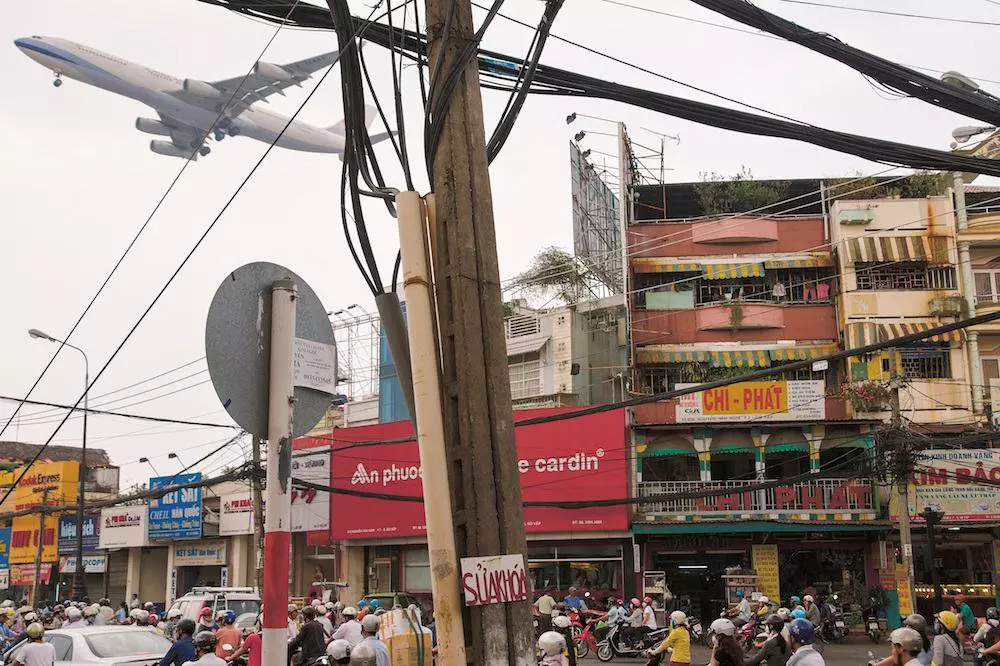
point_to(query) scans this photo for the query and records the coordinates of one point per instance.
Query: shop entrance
(695, 579)
(190, 577)
(823, 572)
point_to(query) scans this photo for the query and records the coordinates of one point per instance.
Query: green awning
(860, 442)
(652, 354)
(728, 271)
(662, 451)
(802, 352)
(735, 448)
(754, 358)
(800, 447)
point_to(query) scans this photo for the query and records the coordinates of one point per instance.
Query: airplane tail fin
(371, 113)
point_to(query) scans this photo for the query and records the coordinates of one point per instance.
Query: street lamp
(966, 132)
(146, 460)
(176, 457)
(933, 517)
(78, 590)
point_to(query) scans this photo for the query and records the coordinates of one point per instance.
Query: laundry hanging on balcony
(730, 271)
(869, 249)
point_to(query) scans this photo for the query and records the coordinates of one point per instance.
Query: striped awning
(756, 358)
(860, 334)
(788, 447)
(654, 355)
(663, 265)
(868, 249)
(897, 329)
(814, 261)
(801, 352)
(728, 271)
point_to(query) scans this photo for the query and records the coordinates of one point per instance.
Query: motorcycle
(834, 628)
(614, 644)
(587, 640)
(747, 633)
(874, 628)
(698, 635)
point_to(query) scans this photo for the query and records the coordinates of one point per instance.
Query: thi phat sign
(494, 579)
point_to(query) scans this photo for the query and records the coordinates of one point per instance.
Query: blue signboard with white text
(4, 547)
(176, 515)
(67, 533)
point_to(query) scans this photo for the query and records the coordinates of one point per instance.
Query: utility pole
(39, 547)
(478, 421)
(933, 518)
(258, 516)
(902, 489)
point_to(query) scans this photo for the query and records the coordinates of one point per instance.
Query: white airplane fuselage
(163, 93)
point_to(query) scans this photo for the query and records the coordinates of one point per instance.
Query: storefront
(95, 562)
(384, 541)
(197, 563)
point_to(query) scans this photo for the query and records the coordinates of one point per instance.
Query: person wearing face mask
(775, 651)
(725, 650)
(989, 636)
(946, 650)
(919, 625)
(677, 643)
(907, 644)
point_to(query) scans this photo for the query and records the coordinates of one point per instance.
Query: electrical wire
(889, 13)
(124, 415)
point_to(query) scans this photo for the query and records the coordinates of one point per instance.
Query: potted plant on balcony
(867, 395)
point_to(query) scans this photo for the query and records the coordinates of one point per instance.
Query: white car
(110, 645)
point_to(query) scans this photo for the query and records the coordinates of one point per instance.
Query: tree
(718, 195)
(917, 186)
(554, 274)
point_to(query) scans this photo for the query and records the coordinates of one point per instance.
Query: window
(987, 285)
(417, 570)
(125, 643)
(63, 646)
(926, 362)
(654, 380)
(525, 375)
(903, 275)
(991, 370)
(670, 468)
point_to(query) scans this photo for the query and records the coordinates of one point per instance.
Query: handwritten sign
(495, 579)
(765, 563)
(315, 366)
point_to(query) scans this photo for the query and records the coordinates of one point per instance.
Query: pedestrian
(801, 632)
(183, 650)
(906, 646)
(677, 643)
(35, 652)
(310, 639)
(545, 605)
(946, 648)
(369, 633)
(204, 645)
(725, 650)
(350, 629)
(228, 638)
(776, 649)
(134, 603)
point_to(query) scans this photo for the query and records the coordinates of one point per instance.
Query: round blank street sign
(238, 340)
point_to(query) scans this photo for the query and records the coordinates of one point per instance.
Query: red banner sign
(24, 574)
(578, 459)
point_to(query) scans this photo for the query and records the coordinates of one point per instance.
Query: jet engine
(169, 149)
(201, 89)
(150, 126)
(269, 71)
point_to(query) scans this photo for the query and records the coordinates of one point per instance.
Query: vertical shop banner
(4, 547)
(959, 482)
(67, 533)
(176, 515)
(581, 458)
(236, 514)
(765, 563)
(310, 507)
(24, 539)
(903, 591)
(123, 527)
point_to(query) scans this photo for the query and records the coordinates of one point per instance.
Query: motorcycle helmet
(58, 608)
(154, 619)
(90, 611)
(292, 608)
(205, 641)
(551, 643)
(798, 614)
(723, 627)
(775, 622)
(173, 613)
(764, 600)
(948, 620)
(148, 605)
(205, 612)
(374, 603)
(795, 600)
(993, 616)
(370, 624)
(740, 594)
(363, 655)
(74, 614)
(808, 598)
(362, 603)
(647, 600)
(802, 631)
(350, 612)
(35, 630)
(635, 601)
(30, 617)
(561, 622)
(678, 618)
(143, 616)
(917, 622)
(907, 638)
(784, 614)
(339, 651)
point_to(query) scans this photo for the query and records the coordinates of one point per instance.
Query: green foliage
(698, 373)
(554, 273)
(718, 195)
(735, 315)
(919, 185)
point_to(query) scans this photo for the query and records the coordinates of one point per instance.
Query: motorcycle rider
(742, 611)
(615, 611)
(988, 635)
(813, 613)
(801, 632)
(310, 639)
(350, 629)
(946, 648)
(36, 652)
(907, 645)
(229, 638)
(204, 645)
(648, 615)
(573, 600)
(205, 620)
(369, 632)
(339, 651)
(776, 650)
(75, 618)
(677, 642)
(633, 624)
(183, 650)
(173, 617)
(551, 644)
(919, 625)
(562, 625)
(726, 651)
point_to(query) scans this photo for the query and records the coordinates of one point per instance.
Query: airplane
(190, 110)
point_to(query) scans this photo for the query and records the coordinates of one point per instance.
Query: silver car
(109, 645)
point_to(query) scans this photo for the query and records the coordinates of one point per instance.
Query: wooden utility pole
(902, 490)
(258, 516)
(479, 429)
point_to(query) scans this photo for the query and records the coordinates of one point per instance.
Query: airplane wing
(268, 79)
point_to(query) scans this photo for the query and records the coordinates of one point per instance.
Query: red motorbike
(587, 639)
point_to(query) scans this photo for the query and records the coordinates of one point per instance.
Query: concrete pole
(902, 491)
(258, 517)
(430, 429)
(277, 520)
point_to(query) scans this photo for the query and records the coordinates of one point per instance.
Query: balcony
(664, 412)
(739, 316)
(758, 322)
(839, 496)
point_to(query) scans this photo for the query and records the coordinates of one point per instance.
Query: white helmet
(370, 624)
(143, 615)
(6, 603)
(551, 643)
(30, 616)
(764, 600)
(135, 613)
(73, 613)
(350, 611)
(148, 605)
(363, 655)
(723, 626)
(173, 612)
(339, 648)
(808, 598)
(561, 622)
(784, 614)
(677, 618)
(91, 610)
(220, 614)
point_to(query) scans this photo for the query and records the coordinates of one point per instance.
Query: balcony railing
(810, 496)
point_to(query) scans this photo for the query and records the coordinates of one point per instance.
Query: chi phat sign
(494, 579)
(762, 401)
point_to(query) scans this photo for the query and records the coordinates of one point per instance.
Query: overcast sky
(78, 179)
